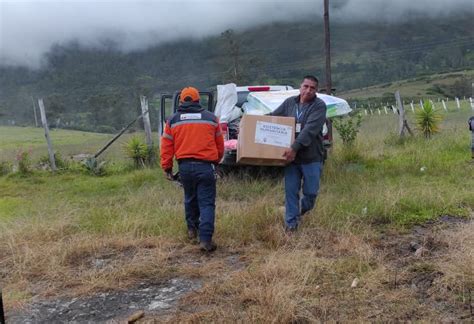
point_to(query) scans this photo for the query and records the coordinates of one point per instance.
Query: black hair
(312, 78)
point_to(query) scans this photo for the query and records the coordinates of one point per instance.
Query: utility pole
(327, 47)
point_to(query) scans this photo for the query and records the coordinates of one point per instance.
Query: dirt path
(154, 298)
(410, 260)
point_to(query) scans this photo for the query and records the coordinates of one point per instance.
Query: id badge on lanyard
(298, 127)
(298, 124)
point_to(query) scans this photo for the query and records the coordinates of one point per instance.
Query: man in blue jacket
(305, 156)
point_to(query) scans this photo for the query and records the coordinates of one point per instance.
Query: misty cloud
(28, 29)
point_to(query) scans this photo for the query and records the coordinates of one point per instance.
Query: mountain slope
(94, 88)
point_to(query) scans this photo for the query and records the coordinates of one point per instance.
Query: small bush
(348, 130)
(94, 167)
(23, 161)
(435, 89)
(61, 164)
(5, 168)
(428, 120)
(137, 150)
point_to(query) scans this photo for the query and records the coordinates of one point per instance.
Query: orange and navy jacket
(191, 133)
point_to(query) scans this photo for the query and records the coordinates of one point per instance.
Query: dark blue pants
(309, 174)
(199, 185)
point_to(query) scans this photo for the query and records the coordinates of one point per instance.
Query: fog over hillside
(28, 28)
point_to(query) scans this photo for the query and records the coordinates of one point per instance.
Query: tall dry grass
(76, 234)
(457, 282)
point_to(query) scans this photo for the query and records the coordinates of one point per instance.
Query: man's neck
(305, 102)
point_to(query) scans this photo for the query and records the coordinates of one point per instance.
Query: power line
(306, 42)
(387, 55)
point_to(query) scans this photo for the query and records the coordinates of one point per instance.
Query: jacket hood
(190, 107)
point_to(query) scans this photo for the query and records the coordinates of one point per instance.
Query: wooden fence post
(402, 122)
(46, 134)
(146, 124)
(34, 111)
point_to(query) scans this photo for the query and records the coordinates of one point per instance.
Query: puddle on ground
(152, 298)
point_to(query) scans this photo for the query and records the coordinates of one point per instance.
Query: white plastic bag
(226, 100)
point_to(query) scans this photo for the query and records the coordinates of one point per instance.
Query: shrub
(137, 150)
(23, 161)
(5, 168)
(61, 164)
(428, 120)
(349, 128)
(435, 89)
(94, 167)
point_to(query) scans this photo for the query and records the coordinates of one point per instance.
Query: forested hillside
(98, 88)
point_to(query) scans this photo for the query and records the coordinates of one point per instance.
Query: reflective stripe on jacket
(191, 133)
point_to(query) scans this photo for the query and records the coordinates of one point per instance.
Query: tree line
(98, 89)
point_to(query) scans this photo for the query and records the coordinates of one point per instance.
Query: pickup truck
(230, 128)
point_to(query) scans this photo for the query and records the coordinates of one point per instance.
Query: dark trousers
(199, 185)
(309, 174)
(472, 144)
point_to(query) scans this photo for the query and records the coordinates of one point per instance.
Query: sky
(28, 28)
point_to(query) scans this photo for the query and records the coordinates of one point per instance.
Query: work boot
(291, 231)
(192, 235)
(207, 246)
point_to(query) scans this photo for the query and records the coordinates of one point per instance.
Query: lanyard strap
(298, 113)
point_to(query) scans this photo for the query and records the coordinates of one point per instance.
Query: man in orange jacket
(194, 137)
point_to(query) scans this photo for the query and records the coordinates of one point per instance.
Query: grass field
(418, 87)
(53, 227)
(66, 142)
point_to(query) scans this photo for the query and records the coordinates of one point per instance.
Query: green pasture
(382, 180)
(417, 87)
(66, 142)
(381, 184)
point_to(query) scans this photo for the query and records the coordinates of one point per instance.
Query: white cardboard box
(263, 139)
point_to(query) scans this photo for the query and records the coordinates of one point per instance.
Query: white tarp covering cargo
(226, 100)
(261, 103)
